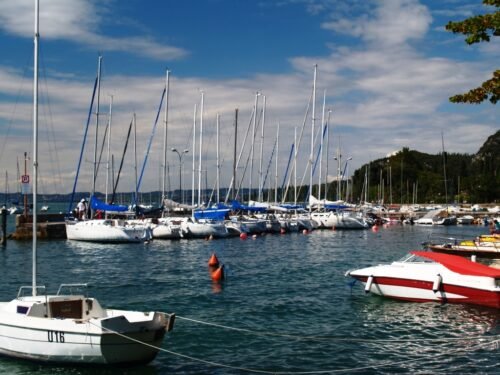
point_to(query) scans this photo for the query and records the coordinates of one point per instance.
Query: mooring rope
(333, 338)
(331, 371)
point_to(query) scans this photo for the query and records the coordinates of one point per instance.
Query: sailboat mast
(313, 115)
(276, 169)
(233, 183)
(167, 88)
(94, 177)
(323, 124)
(261, 187)
(194, 154)
(109, 145)
(109, 149)
(218, 163)
(444, 172)
(136, 198)
(201, 144)
(35, 142)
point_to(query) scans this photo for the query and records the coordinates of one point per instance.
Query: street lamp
(347, 181)
(180, 155)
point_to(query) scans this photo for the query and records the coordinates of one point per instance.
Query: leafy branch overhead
(480, 29)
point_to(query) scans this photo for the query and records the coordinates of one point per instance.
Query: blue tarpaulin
(97, 204)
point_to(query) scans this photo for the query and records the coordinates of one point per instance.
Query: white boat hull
(105, 231)
(107, 339)
(428, 282)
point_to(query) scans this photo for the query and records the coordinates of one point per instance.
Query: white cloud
(394, 22)
(79, 21)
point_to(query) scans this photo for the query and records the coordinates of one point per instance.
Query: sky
(385, 71)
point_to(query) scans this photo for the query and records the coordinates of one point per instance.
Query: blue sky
(388, 68)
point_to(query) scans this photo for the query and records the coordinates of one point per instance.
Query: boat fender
(437, 283)
(170, 323)
(369, 283)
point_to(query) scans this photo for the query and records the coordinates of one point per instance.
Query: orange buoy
(375, 228)
(304, 231)
(282, 231)
(218, 274)
(213, 261)
(243, 236)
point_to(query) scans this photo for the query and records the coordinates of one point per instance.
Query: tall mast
(109, 147)
(313, 115)
(167, 88)
(201, 144)
(323, 124)
(96, 126)
(218, 164)
(35, 142)
(233, 183)
(261, 182)
(444, 171)
(276, 170)
(194, 154)
(257, 94)
(136, 198)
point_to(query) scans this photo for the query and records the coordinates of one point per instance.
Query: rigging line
(18, 96)
(348, 339)
(83, 146)
(383, 364)
(51, 134)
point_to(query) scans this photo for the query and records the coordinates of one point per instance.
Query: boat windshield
(412, 258)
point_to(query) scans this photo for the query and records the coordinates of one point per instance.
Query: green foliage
(480, 29)
(472, 178)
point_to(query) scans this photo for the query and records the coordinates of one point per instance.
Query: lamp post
(180, 155)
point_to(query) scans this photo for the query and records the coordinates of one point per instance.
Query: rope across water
(493, 340)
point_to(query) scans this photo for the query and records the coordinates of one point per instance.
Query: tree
(478, 29)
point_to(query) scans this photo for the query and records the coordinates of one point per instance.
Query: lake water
(285, 306)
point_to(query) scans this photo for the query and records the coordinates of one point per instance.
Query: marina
(288, 266)
(285, 304)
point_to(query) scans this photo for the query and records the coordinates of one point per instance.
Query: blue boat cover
(212, 214)
(238, 206)
(97, 204)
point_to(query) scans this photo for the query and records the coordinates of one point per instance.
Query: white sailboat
(69, 328)
(106, 230)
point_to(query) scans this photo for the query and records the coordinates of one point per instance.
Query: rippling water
(290, 290)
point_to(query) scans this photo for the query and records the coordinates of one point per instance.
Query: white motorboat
(425, 276)
(73, 328)
(465, 219)
(107, 231)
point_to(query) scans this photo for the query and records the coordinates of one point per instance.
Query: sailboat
(105, 230)
(73, 328)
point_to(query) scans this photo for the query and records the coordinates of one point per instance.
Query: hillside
(409, 173)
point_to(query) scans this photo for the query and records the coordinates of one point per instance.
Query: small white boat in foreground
(425, 276)
(67, 328)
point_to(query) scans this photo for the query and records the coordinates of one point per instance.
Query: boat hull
(98, 341)
(101, 231)
(424, 282)
(421, 291)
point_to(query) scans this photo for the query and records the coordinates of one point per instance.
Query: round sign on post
(25, 179)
